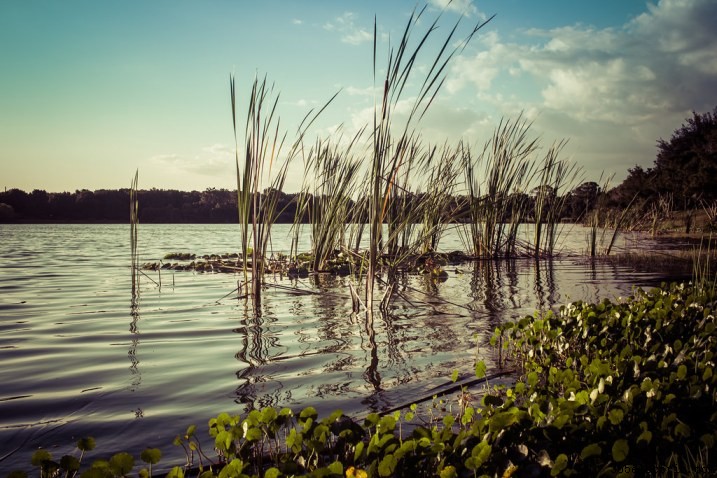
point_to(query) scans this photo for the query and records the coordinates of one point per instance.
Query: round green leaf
(480, 369)
(449, 472)
(615, 416)
(645, 436)
(69, 463)
(336, 468)
(151, 455)
(86, 444)
(272, 473)
(176, 472)
(561, 462)
(40, 457)
(387, 465)
(122, 463)
(620, 450)
(591, 450)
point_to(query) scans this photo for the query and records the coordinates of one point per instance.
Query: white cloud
(663, 58)
(216, 160)
(369, 91)
(296, 21)
(463, 7)
(350, 33)
(631, 84)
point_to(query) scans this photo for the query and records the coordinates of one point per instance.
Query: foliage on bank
(616, 388)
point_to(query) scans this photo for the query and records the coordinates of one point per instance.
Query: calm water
(76, 360)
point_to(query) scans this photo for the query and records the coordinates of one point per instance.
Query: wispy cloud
(463, 7)
(350, 33)
(632, 84)
(662, 61)
(216, 160)
(296, 21)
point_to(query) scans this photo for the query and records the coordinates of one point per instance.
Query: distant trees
(155, 206)
(685, 171)
(685, 167)
(581, 200)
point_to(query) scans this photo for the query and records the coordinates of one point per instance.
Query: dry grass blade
(134, 235)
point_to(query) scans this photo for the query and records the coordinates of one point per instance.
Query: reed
(554, 176)
(593, 217)
(703, 277)
(134, 236)
(618, 225)
(393, 147)
(442, 174)
(335, 170)
(660, 211)
(710, 210)
(263, 145)
(496, 206)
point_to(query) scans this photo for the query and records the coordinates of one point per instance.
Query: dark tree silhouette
(686, 165)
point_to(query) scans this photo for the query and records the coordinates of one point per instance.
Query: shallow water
(79, 360)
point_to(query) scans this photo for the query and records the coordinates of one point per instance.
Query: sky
(92, 91)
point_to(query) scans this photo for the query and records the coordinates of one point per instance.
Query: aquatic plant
(333, 170)
(442, 169)
(134, 236)
(508, 167)
(263, 146)
(393, 147)
(554, 176)
(614, 385)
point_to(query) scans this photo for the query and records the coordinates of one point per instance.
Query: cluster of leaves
(120, 464)
(613, 387)
(607, 389)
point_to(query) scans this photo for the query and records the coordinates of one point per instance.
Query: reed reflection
(134, 312)
(545, 287)
(372, 376)
(255, 352)
(493, 284)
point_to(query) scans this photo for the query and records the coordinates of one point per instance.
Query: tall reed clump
(554, 176)
(392, 146)
(438, 203)
(333, 170)
(497, 205)
(262, 149)
(134, 236)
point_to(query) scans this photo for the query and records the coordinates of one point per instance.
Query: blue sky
(92, 91)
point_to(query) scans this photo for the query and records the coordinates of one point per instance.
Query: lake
(79, 360)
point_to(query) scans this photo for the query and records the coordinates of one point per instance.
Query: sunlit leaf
(480, 369)
(561, 462)
(620, 450)
(591, 450)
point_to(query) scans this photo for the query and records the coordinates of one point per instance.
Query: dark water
(78, 360)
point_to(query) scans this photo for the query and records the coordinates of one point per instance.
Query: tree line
(685, 169)
(209, 206)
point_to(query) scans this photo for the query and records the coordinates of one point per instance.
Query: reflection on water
(194, 350)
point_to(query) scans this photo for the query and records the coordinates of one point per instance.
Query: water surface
(78, 359)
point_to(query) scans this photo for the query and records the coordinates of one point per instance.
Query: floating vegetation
(181, 256)
(302, 265)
